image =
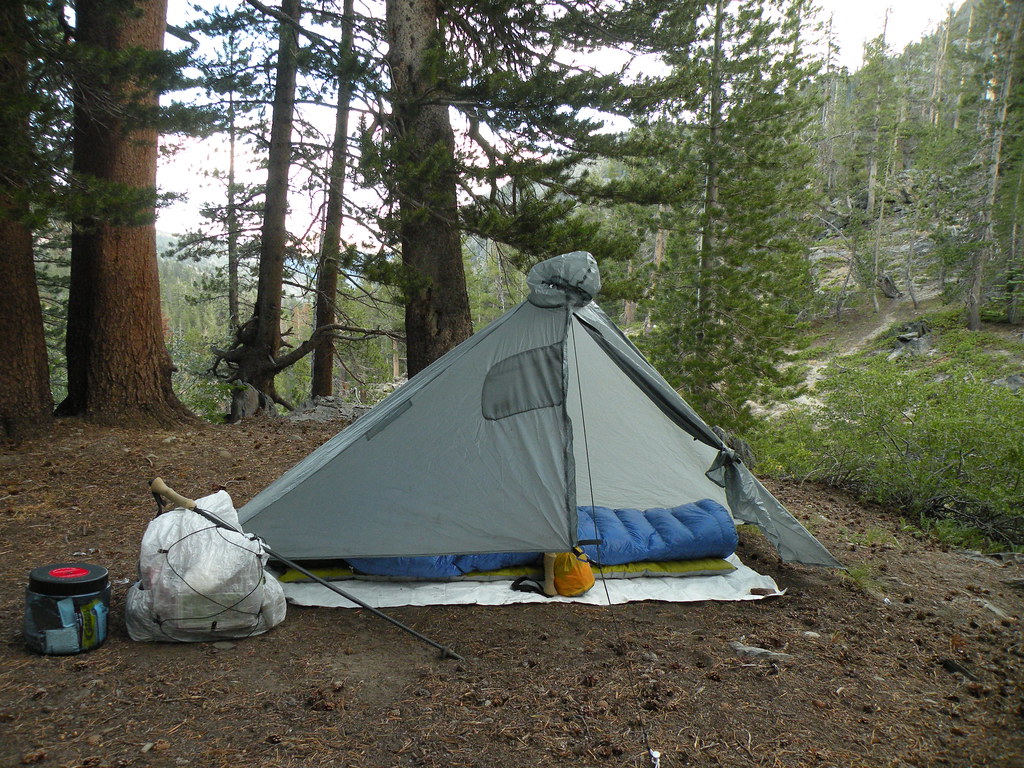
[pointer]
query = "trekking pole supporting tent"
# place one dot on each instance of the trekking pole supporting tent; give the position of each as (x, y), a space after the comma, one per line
(161, 490)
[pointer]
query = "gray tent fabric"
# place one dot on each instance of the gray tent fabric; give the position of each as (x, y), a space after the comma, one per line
(629, 453)
(748, 500)
(424, 473)
(491, 447)
(751, 502)
(571, 279)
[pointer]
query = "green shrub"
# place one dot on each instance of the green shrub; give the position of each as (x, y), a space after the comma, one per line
(199, 390)
(936, 440)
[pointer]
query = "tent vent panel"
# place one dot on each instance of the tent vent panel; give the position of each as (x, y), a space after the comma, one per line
(523, 382)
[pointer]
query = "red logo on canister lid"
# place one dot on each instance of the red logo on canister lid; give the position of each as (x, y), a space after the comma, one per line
(69, 573)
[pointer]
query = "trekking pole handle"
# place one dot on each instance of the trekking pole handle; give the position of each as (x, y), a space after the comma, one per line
(159, 487)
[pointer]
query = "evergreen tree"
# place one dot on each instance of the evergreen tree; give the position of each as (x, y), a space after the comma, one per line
(968, 151)
(735, 281)
(1009, 212)
(425, 177)
(1000, 144)
(256, 359)
(118, 366)
(328, 265)
(313, 166)
(233, 75)
(511, 172)
(25, 399)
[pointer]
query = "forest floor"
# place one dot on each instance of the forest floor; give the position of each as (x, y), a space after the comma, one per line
(916, 659)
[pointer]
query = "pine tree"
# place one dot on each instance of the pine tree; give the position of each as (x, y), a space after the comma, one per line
(873, 158)
(25, 399)
(256, 359)
(322, 379)
(118, 366)
(423, 142)
(236, 95)
(1009, 212)
(511, 172)
(1007, 50)
(314, 166)
(969, 151)
(736, 278)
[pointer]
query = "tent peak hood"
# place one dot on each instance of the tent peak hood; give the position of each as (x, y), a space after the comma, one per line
(571, 279)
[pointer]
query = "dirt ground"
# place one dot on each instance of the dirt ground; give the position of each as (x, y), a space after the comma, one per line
(918, 661)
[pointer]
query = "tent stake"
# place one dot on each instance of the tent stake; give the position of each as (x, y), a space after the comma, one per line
(160, 489)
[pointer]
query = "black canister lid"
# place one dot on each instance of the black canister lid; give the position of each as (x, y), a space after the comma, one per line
(67, 579)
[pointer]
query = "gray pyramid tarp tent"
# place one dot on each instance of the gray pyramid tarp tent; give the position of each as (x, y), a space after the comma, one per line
(491, 447)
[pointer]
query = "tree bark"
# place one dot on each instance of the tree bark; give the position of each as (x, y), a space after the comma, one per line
(708, 234)
(660, 244)
(234, 316)
(828, 108)
(265, 342)
(1015, 255)
(118, 366)
(25, 399)
(979, 265)
(939, 70)
(968, 39)
(629, 305)
(875, 134)
(876, 257)
(437, 315)
(322, 379)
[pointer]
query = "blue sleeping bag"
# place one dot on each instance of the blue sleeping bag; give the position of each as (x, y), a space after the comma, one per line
(439, 566)
(687, 532)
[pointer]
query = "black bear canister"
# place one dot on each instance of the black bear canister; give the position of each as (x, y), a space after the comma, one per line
(66, 608)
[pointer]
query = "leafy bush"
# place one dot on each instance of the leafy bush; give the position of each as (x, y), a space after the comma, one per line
(936, 439)
(200, 391)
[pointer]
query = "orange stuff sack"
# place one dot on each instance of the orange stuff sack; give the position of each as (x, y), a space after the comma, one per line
(573, 575)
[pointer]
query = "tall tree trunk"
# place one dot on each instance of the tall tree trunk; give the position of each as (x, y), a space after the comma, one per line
(876, 126)
(629, 305)
(890, 162)
(982, 253)
(660, 243)
(968, 39)
(708, 239)
(828, 107)
(939, 71)
(256, 356)
(322, 380)
(873, 163)
(118, 366)
(266, 343)
(232, 218)
(1015, 266)
(437, 313)
(25, 399)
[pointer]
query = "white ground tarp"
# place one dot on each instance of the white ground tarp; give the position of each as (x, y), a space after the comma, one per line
(741, 584)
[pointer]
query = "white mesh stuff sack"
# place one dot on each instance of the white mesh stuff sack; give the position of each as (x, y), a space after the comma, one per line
(200, 582)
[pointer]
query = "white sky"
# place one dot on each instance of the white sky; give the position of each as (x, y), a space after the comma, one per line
(854, 22)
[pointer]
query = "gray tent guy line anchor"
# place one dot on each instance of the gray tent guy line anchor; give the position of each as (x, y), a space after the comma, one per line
(491, 447)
